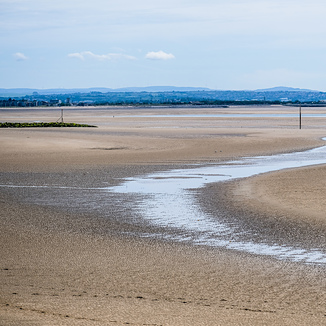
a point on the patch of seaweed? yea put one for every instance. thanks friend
(42, 125)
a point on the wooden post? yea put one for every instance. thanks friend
(61, 116)
(300, 117)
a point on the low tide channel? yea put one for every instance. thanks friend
(167, 201)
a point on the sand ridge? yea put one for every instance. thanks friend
(299, 192)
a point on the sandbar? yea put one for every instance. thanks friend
(69, 267)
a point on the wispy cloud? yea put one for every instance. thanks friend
(101, 57)
(160, 55)
(20, 56)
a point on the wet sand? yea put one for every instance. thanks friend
(302, 195)
(60, 267)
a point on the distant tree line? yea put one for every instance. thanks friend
(172, 98)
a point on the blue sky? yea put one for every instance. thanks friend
(221, 44)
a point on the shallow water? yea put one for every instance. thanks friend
(167, 200)
(227, 115)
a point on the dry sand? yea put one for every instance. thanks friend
(58, 268)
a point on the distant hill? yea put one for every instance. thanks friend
(161, 89)
(19, 92)
(30, 91)
(284, 89)
(157, 95)
(5, 92)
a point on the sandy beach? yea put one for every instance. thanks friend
(64, 266)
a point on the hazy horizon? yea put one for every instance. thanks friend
(162, 88)
(221, 45)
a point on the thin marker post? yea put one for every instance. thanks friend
(61, 117)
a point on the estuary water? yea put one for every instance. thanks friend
(227, 115)
(165, 205)
(166, 200)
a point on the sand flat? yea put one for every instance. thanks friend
(298, 192)
(56, 269)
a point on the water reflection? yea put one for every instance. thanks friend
(167, 201)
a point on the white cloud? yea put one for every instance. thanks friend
(20, 56)
(221, 38)
(76, 55)
(160, 55)
(101, 57)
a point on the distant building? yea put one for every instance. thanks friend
(85, 103)
(55, 102)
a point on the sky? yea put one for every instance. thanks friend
(219, 44)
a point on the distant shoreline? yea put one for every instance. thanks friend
(157, 96)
